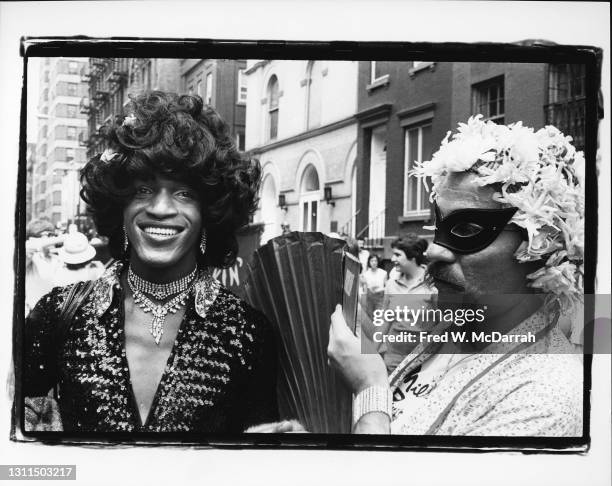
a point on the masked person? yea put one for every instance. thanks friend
(157, 344)
(509, 206)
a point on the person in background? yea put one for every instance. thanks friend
(41, 263)
(408, 279)
(78, 255)
(374, 279)
(363, 256)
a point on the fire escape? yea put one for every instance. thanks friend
(107, 78)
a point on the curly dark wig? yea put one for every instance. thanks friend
(180, 138)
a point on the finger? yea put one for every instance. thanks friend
(339, 327)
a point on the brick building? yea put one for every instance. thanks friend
(406, 108)
(301, 126)
(221, 83)
(59, 156)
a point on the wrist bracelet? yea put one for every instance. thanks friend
(372, 399)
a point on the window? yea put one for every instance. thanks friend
(418, 147)
(377, 71)
(46, 76)
(43, 187)
(378, 181)
(56, 218)
(190, 90)
(488, 100)
(309, 199)
(71, 133)
(314, 80)
(419, 66)
(209, 89)
(45, 94)
(199, 88)
(567, 100)
(73, 67)
(273, 96)
(70, 154)
(57, 198)
(242, 86)
(71, 111)
(72, 89)
(57, 178)
(240, 140)
(566, 82)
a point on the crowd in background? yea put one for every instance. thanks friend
(56, 258)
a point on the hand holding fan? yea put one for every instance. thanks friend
(296, 280)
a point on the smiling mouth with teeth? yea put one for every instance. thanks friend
(156, 231)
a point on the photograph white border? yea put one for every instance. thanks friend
(561, 22)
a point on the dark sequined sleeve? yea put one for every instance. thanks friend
(40, 356)
(258, 403)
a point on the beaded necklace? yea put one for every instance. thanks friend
(159, 312)
(160, 291)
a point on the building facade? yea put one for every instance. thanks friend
(222, 84)
(301, 126)
(112, 81)
(406, 108)
(30, 165)
(59, 155)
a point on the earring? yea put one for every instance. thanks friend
(203, 242)
(125, 240)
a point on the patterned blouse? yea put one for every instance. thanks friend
(536, 391)
(220, 376)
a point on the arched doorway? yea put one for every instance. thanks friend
(310, 195)
(269, 209)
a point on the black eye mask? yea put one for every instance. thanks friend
(470, 230)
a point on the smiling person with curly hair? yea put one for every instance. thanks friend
(156, 344)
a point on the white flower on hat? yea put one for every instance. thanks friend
(108, 155)
(129, 121)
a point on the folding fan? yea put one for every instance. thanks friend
(297, 280)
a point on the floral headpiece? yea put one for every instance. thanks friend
(542, 175)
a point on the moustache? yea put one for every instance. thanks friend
(443, 272)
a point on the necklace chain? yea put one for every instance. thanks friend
(159, 312)
(160, 291)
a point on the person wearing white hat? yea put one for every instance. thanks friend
(78, 257)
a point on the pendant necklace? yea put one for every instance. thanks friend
(159, 311)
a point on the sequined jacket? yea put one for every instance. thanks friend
(220, 376)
